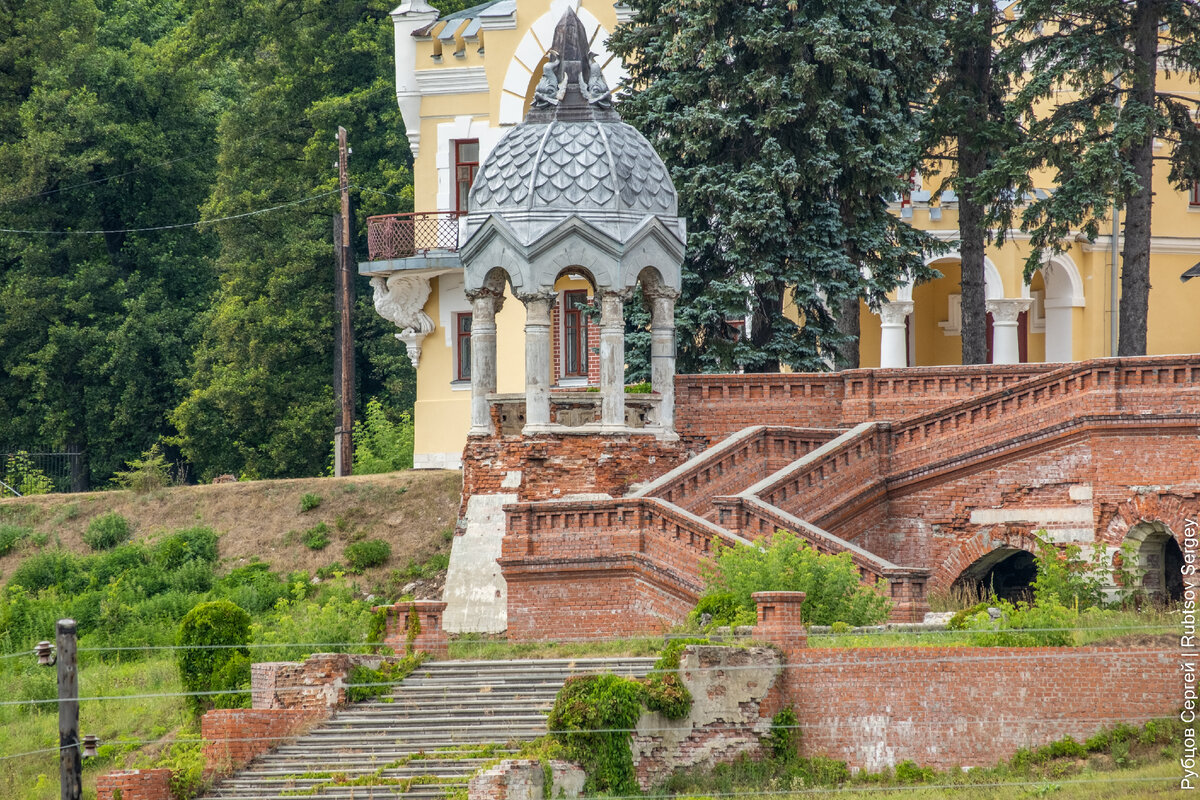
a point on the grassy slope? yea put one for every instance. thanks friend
(413, 511)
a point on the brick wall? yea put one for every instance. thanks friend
(594, 570)
(315, 685)
(547, 467)
(946, 707)
(429, 639)
(234, 736)
(970, 706)
(734, 696)
(135, 784)
(524, 779)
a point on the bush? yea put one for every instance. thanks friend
(189, 544)
(145, 474)
(610, 706)
(22, 475)
(368, 553)
(785, 735)
(106, 531)
(381, 444)
(56, 568)
(317, 537)
(833, 591)
(309, 501)
(211, 636)
(10, 535)
(1044, 623)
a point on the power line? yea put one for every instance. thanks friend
(174, 226)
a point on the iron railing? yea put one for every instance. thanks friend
(403, 235)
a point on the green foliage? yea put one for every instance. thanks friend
(1045, 623)
(592, 719)
(102, 127)
(287, 81)
(367, 553)
(11, 535)
(146, 474)
(317, 537)
(381, 444)
(1066, 578)
(833, 591)
(909, 772)
(1099, 141)
(189, 544)
(784, 127)
(212, 635)
(784, 738)
(364, 683)
(22, 475)
(52, 568)
(309, 501)
(106, 531)
(331, 618)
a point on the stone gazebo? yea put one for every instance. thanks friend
(572, 190)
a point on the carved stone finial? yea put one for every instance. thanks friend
(400, 299)
(597, 91)
(548, 92)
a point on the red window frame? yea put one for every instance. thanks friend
(1194, 196)
(462, 345)
(466, 164)
(575, 340)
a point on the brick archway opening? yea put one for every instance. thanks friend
(1006, 572)
(1160, 559)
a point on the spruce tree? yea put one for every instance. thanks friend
(787, 127)
(1088, 90)
(967, 130)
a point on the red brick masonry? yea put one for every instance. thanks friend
(235, 736)
(947, 707)
(915, 473)
(135, 784)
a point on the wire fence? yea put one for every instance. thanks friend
(25, 472)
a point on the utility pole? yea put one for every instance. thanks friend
(70, 761)
(343, 448)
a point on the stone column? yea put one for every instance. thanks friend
(893, 344)
(1005, 348)
(537, 358)
(612, 358)
(662, 352)
(484, 305)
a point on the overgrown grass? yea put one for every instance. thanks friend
(1126, 762)
(128, 728)
(1094, 628)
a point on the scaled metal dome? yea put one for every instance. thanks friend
(572, 153)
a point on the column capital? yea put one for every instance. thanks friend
(660, 292)
(538, 295)
(615, 293)
(895, 312)
(1005, 310)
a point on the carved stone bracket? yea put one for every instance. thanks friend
(400, 299)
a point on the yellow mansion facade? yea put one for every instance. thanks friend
(463, 80)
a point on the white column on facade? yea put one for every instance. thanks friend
(537, 358)
(662, 352)
(406, 18)
(484, 305)
(612, 358)
(893, 345)
(1004, 311)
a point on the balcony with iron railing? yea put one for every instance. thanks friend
(397, 236)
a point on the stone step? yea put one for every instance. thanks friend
(442, 705)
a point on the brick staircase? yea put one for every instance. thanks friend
(872, 440)
(425, 739)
